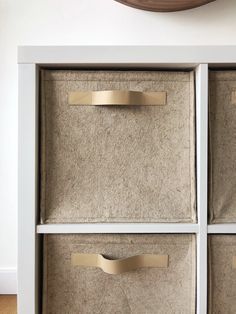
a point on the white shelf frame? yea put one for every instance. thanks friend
(28, 239)
(202, 157)
(118, 228)
(226, 228)
(30, 59)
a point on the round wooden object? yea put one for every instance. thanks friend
(164, 5)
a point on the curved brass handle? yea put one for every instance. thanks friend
(119, 266)
(117, 97)
(234, 262)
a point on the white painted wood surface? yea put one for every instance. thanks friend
(118, 228)
(169, 55)
(27, 198)
(30, 58)
(202, 157)
(222, 228)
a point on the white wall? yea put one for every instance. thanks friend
(75, 22)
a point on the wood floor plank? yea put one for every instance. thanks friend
(8, 304)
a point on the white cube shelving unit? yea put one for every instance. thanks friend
(31, 59)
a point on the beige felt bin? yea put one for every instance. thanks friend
(131, 163)
(222, 149)
(151, 290)
(222, 274)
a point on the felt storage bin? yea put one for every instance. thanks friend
(126, 162)
(134, 274)
(222, 147)
(222, 274)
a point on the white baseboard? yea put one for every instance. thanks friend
(8, 281)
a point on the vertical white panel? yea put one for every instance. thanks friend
(27, 193)
(202, 157)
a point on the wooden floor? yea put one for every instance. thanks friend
(7, 304)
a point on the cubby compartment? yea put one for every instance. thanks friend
(222, 274)
(121, 273)
(117, 146)
(222, 147)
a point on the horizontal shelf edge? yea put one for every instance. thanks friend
(226, 228)
(126, 54)
(118, 228)
(133, 228)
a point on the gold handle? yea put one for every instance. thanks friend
(233, 97)
(119, 266)
(117, 97)
(234, 262)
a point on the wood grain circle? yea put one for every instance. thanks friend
(164, 5)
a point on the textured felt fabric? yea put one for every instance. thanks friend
(222, 274)
(117, 163)
(88, 290)
(222, 150)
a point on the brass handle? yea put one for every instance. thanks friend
(234, 262)
(233, 97)
(119, 266)
(117, 97)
